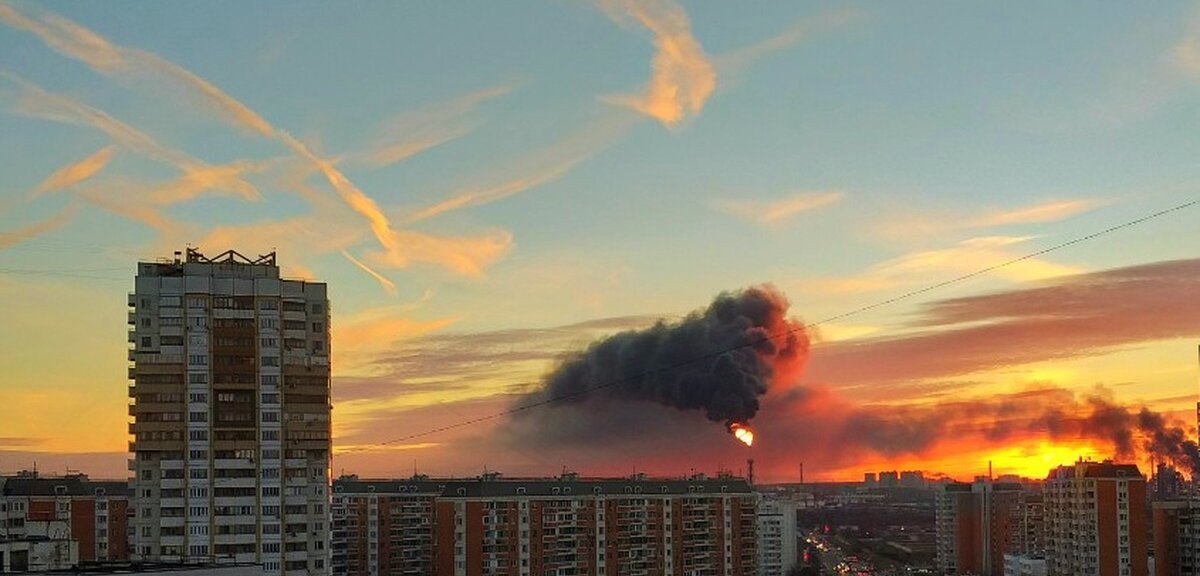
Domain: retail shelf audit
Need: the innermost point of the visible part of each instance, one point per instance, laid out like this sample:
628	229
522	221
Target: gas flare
742	432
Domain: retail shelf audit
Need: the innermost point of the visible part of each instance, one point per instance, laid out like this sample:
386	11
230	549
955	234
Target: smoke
1055	414
718	360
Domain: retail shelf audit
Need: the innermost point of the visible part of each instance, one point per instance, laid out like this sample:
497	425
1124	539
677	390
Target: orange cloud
773	212
36	102
24	233
682	76
68	39
478	197
1051	211
75	172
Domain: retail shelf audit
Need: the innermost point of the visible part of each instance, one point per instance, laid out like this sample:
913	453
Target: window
270	379
198	417
196	302
269	342
317	308
270	416
198	435
172	340
198	511
269	323
147	341
270	398
197	378
198	360
318	326
171	321
268	305
318	346
198	455
270	435
145	322
198	473
270	361
198	397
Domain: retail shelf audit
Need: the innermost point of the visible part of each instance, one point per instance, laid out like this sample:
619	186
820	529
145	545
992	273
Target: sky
488	187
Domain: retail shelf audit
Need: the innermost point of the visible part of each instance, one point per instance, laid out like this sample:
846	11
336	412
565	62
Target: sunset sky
488	186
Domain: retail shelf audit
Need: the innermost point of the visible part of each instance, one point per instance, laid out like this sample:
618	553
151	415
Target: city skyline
571	171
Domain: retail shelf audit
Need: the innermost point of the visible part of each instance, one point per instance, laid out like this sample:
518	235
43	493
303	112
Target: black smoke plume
718	360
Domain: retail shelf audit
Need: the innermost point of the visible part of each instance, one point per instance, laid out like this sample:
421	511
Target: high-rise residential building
93	515
231	414
1096	520
566	525
778	550
978	523
1176	538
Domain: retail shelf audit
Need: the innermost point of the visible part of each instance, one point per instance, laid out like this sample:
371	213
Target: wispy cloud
901	225
39	103
682	76
18	235
470	198
534	169
772	212
75	172
1051	211
800	30
68	39
964	257
387	284
417	131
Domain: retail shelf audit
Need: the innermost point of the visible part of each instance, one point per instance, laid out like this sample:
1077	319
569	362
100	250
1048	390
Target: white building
231	447
1024	565
777	549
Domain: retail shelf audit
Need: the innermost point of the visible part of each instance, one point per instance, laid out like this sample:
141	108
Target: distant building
231	414
889	479
870	479
978	523
1095	520
777	539
531	527
1024	565
1176	538
93	514
912	479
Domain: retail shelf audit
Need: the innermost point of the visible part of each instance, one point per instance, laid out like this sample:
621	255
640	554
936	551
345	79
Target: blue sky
844	152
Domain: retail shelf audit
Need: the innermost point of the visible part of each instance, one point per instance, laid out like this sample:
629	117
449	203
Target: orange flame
742	432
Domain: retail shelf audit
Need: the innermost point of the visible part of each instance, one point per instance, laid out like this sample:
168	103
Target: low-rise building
94	514
566	525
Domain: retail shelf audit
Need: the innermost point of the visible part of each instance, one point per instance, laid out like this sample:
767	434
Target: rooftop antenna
989	470
801	473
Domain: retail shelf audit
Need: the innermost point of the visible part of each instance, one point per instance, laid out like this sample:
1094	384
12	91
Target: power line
836	317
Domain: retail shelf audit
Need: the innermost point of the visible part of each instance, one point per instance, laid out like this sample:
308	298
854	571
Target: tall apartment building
565	525
1095	520
978	523
92	514
231	414
1176	538
778	550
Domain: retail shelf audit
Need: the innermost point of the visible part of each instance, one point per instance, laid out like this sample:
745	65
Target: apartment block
230	414
1095	520
778	549
566	525
93	515
978	523
1176	526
